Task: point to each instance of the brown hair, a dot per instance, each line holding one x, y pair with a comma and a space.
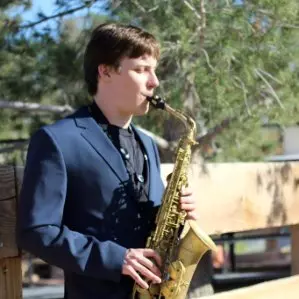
111, 42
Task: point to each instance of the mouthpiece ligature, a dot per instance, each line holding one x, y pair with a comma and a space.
157, 102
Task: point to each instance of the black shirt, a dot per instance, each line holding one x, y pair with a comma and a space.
131, 150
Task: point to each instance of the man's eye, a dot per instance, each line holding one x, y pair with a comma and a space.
139, 70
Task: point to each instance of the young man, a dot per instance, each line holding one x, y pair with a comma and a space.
92, 182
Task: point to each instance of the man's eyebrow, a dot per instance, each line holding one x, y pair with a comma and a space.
146, 65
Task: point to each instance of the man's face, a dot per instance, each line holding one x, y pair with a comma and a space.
129, 86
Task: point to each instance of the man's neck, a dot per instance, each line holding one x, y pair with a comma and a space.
114, 116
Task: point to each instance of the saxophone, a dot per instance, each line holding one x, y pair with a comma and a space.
180, 242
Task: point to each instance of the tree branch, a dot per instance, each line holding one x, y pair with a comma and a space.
139, 6
34, 107
12, 141
61, 14
270, 76
242, 86
289, 26
213, 132
270, 88
203, 23
208, 60
191, 7
17, 146
142, 9
161, 142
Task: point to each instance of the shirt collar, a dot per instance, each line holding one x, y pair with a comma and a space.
98, 115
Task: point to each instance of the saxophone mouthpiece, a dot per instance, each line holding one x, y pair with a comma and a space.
157, 102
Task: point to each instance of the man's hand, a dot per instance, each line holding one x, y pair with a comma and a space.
137, 262
187, 203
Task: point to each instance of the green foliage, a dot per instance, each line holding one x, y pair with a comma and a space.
234, 56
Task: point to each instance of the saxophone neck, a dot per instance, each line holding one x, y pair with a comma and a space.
190, 124
187, 120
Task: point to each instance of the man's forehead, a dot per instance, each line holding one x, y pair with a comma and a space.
146, 60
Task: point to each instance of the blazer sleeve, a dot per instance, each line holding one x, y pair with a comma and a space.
40, 230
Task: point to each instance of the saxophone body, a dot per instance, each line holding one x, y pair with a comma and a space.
181, 243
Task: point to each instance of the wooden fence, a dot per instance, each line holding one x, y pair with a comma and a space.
10, 256
232, 197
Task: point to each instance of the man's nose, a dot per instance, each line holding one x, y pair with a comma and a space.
153, 81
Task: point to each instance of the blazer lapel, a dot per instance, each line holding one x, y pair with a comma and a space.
101, 143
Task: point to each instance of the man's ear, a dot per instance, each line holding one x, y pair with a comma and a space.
104, 71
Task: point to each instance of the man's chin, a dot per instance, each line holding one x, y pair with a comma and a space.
142, 109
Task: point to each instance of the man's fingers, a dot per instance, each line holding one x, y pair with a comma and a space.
188, 206
192, 216
140, 264
150, 265
137, 278
145, 272
186, 191
187, 199
151, 253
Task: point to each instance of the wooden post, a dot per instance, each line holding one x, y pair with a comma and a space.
295, 249
10, 257
10, 278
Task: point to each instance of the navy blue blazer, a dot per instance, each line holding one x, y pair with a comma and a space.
75, 210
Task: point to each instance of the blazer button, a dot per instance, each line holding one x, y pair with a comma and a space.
140, 178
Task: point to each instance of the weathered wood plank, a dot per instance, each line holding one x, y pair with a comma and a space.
8, 246
240, 196
276, 289
10, 259
295, 249
19, 173
234, 197
10, 278
7, 179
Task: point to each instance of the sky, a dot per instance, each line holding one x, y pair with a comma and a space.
46, 6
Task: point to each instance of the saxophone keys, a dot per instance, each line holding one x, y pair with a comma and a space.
173, 285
